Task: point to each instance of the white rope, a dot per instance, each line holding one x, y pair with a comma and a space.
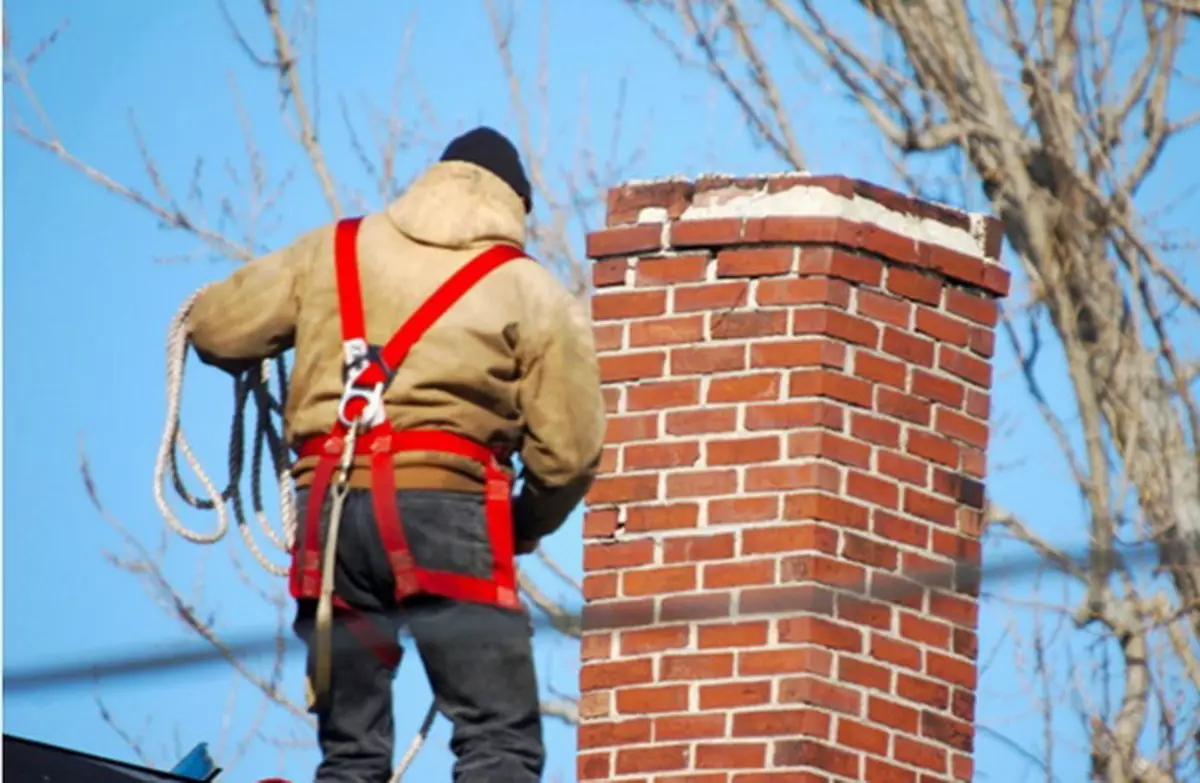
252, 384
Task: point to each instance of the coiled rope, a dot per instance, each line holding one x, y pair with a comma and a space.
253, 384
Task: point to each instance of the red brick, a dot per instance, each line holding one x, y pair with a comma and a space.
623, 489
882, 771
889, 713
914, 284
774, 600
835, 323
979, 404
706, 359
941, 328
609, 272
789, 538
742, 451
658, 758
707, 606
856, 611
964, 365
651, 640
735, 694
743, 509
870, 675
652, 699
772, 478
612, 399
608, 337
701, 483
826, 383
835, 262
618, 554
883, 308
668, 394
628, 304
816, 754
932, 447
781, 228
618, 614
701, 421
676, 516
803, 291
755, 262
594, 766
680, 549
753, 663
928, 507
918, 689
702, 666
817, 443
900, 653
881, 370
738, 574
956, 734
666, 331
600, 523
777, 723
811, 352
958, 427
794, 415
624, 241
688, 727
610, 733
982, 310
668, 454
914, 350
597, 586
982, 342
897, 590
874, 430
860, 736
745, 388
713, 296
903, 406
903, 468
918, 754
951, 670
823, 508
820, 693
938, 389
670, 271
872, 489
655, 581
625, 203
706, 233
751, 634
632, 366
817, 630
742, 325
864, 550
596, 646
622, 429
896, 528
593, 676
731, 755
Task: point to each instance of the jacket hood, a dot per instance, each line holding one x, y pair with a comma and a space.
457, 205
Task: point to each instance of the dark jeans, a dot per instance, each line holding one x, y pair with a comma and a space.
479, 658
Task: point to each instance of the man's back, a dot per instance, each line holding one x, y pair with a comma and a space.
513, 358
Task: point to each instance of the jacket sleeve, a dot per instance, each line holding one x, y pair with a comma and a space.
250, 315
564, 420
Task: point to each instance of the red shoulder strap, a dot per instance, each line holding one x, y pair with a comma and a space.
397, 348
345, 257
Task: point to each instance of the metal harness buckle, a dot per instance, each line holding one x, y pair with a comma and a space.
358, 357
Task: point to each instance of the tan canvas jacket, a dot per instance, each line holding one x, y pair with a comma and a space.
512, 362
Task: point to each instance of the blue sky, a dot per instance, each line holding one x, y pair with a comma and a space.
87, 303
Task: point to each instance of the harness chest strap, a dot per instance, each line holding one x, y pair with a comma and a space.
373, 370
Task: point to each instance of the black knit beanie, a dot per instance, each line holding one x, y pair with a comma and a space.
489, 149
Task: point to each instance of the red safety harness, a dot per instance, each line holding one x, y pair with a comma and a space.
368, 371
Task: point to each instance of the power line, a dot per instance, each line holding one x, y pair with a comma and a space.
810, 596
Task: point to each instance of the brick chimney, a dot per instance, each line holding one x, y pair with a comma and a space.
797, 372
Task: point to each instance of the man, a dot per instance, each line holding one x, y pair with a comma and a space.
507, 364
